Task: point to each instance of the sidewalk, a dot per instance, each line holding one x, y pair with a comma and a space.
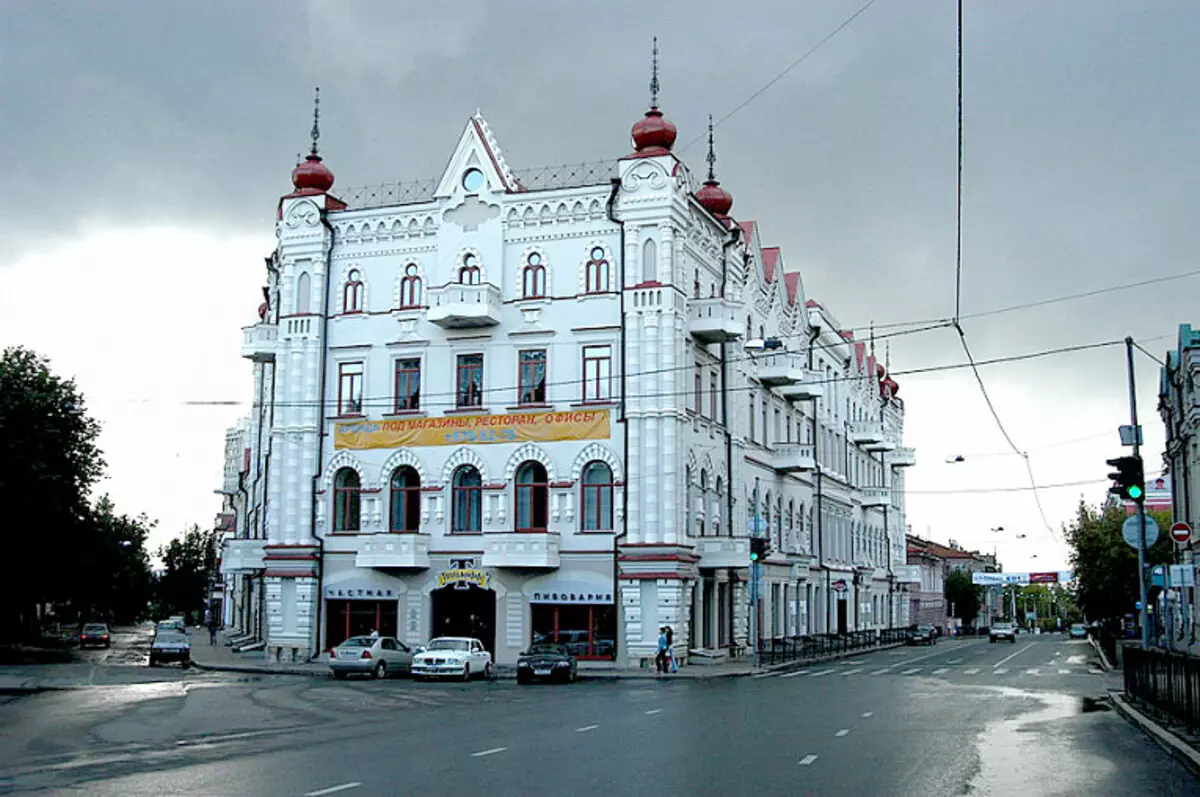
1173, 737
221, 658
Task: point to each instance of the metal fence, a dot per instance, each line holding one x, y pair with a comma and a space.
799, 648
1167, 682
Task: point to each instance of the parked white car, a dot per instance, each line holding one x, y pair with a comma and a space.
378, 657
463, 657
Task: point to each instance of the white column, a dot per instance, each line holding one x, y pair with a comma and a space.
651, 453
635, 467
668, 463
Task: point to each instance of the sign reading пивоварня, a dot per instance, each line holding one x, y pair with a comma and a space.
532, 427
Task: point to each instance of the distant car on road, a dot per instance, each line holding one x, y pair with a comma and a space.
546, 660
1078, 631
378, 657
922, 635
1002, 631
171, 624
464, 657
170, 645
94, 635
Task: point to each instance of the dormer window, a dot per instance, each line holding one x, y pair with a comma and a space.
469, 274
533, 278
352, 293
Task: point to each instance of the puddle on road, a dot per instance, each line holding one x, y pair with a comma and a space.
1016, 755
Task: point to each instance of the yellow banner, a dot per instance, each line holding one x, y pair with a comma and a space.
535, 427
462, 576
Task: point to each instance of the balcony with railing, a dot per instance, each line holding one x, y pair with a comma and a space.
242, 556
866, 432
723, 552
876, 496
458, 306
810, 386
902, 457
405, 550
793, 457
779, 368
258, 342
521, 549
714, 320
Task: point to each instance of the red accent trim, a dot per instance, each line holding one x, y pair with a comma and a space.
529, 407
297, 557
491, 155
494, 486
649, 576
651, 545
467, 411
432, 489
370, 490
566, 483
287, 574
653, 557
281, 546
405, 413
650, 284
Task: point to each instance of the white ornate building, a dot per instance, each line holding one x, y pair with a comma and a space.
520, 405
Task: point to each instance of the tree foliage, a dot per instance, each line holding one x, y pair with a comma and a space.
964, 596
1106, 577
189, 564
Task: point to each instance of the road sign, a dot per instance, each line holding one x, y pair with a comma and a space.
840, 585
1183, 575
1130, 531
1126, 433
757, 525
1181, 532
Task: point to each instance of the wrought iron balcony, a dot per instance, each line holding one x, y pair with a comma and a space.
715, 320
457, 306
258, 342
521, 549
401, 550
793, 457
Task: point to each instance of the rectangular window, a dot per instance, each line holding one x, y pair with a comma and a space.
766, 430
712, 396
753, 402
778, 431
699, 390
531, 377
350, 388
597, 373
469, 392
408, 384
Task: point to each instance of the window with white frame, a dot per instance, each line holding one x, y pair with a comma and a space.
350, 388
597, 373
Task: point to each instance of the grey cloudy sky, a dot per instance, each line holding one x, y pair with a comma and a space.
148, 142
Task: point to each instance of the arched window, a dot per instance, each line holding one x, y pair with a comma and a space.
649, 261
347, 498
533, 497
352, 293
595, 277
597, 482
467, 501
749, 329
469, 273
410, 287
533, 280
405, 500
696, 284
303, 293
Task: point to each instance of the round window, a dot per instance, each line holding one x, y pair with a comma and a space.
354, 275
411, 269
470, 260
597, 254
472, 180
535, 259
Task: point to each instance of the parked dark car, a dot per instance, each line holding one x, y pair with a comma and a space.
922, 635
94, 635
546, 660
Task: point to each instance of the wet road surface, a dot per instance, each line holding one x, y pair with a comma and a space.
960, 718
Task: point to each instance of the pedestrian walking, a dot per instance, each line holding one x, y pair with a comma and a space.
672, 665
660, 656
212, 630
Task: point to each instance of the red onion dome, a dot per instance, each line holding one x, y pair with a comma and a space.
262, 312
653, 134
312, 175
891, 385
715, 199
880, 371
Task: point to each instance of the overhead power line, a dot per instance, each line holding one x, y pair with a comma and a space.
1030, 488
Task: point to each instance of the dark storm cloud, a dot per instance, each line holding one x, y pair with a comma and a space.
1080, 169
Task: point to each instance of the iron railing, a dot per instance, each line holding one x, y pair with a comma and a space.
387, 194
800, 648
1167, 682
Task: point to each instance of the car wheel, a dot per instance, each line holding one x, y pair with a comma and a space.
487, 672
523, 679
153, 662
339, 675
381, 670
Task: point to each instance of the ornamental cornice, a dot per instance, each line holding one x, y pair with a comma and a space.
385, 252
562, 236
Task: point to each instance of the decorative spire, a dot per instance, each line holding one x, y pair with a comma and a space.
712, 155
872, 338
887, 355
654, 75
316, 130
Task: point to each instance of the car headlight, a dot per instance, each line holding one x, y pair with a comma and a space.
523, 665
562, 664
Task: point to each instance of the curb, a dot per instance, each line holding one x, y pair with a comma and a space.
1100, 652
259, 670
1184, 753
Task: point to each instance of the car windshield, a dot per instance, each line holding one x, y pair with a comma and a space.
547, 650
93, 628
449, 644
358, 642
170, 637
924, 628
1003, 626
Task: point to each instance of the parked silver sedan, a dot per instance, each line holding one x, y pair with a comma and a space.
378, 657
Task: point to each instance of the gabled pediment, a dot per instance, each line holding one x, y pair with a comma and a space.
477, 149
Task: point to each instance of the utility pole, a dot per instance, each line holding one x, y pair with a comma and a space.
1140, 501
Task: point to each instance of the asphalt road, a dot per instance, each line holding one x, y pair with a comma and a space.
963, 717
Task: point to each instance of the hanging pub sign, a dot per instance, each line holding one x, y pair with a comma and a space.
462, 577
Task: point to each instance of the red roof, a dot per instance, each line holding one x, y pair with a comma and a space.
748, 227
770, 258
860, 350
847, 334
813, 303
792, 281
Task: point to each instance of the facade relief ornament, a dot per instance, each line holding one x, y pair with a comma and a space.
303, 214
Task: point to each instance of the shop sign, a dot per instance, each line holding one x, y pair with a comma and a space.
462, 576
359, 593
525, 427
571, 597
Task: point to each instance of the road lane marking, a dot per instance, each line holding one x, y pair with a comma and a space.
1064, 672
652, 712
955, 661
1012, 655
1094, 671
765, 675
857, 661
794, 674
807, 760
867, 714
842, 732
819, 673
971, 671
851, 672
1000, 671
1032, 671
941, 670
493, 751
881, 672
332, 789
586, 728
911, 671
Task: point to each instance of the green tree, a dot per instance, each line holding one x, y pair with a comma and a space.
189, 564
963, 595
49, 462
1106, 578
117, 584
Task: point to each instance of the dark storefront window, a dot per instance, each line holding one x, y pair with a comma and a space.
587, 631
354, 618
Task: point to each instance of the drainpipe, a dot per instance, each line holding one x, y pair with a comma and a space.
612, 199
816, 426
735, 234
321, 433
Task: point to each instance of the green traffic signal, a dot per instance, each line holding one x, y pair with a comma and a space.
1135, 492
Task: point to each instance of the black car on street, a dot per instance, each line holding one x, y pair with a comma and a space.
922, 635
546, 661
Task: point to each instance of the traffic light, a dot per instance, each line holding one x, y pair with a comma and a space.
759, 548
1129, 477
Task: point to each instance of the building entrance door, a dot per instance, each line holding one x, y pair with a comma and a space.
841, 613
468, 611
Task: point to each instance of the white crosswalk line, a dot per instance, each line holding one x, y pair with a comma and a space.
807, 760
819, 673
911, 671
971, 671
941, 670
765, 675
1064, 672
1094, 671
851, 672
1000, 671
881, 672
794, 674
955, 661
1032, 671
